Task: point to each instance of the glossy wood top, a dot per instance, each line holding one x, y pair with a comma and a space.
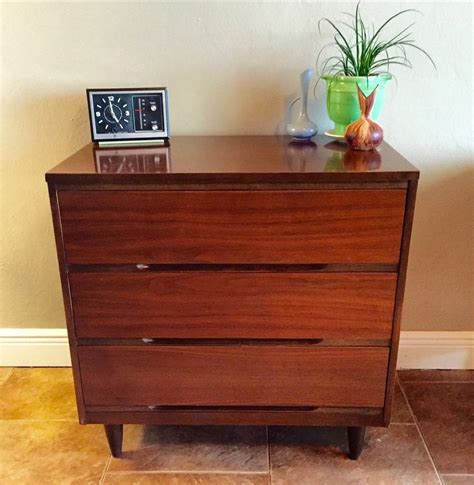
233, 159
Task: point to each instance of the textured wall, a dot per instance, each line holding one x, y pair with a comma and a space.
230, 69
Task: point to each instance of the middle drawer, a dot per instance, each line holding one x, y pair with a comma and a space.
233, 305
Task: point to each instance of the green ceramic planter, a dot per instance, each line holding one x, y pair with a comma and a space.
342, 102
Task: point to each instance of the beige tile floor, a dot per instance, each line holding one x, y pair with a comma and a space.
430, 441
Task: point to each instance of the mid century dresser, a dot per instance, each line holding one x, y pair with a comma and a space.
233, 280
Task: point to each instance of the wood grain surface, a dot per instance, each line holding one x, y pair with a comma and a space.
287, 226
230, 305
239, 159
245, 238
237, 375
291, 416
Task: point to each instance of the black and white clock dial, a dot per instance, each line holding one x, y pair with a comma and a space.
128, 115
112, 114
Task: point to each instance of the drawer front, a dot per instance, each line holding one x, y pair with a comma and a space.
299, 226
255, 305
260, 375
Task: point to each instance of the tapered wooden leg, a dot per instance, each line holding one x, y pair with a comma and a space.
114, 433
356, 437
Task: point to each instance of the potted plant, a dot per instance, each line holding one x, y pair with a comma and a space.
363, 57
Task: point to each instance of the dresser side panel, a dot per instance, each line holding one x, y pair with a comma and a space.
404, 251
67, 301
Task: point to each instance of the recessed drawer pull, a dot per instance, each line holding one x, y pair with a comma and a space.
142, 266
148, 340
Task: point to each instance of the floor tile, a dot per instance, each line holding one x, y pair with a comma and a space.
454, 375
38, 393
135, 478
51, 452
400, 411
458, 479
393, 455
4, 372
445, 414
193, 448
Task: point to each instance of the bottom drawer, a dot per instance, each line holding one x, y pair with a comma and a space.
234, 375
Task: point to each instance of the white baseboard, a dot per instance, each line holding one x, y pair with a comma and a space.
418, 350
34, 347
436, 350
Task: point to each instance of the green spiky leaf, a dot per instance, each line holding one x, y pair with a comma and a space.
362, 50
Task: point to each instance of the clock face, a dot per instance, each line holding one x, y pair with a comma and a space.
128, 114
112, 114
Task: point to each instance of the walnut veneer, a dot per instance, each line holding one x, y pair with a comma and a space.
233, 280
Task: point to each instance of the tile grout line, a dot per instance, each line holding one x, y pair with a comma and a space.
458, 474
270, 480
184, 472
105, 470
42, 420
440, 382
420, 433
7, 376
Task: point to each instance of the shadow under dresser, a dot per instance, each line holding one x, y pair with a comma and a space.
233, 280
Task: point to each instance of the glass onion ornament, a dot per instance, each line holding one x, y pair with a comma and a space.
364, 133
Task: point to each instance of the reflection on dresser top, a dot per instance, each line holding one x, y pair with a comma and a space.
235, 159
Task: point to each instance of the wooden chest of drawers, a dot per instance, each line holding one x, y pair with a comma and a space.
233, 280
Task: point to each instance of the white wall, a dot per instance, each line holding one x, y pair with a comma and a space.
231, 68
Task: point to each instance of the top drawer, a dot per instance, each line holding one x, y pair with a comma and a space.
281, 226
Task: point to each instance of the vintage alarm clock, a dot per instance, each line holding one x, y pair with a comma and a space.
128, 116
